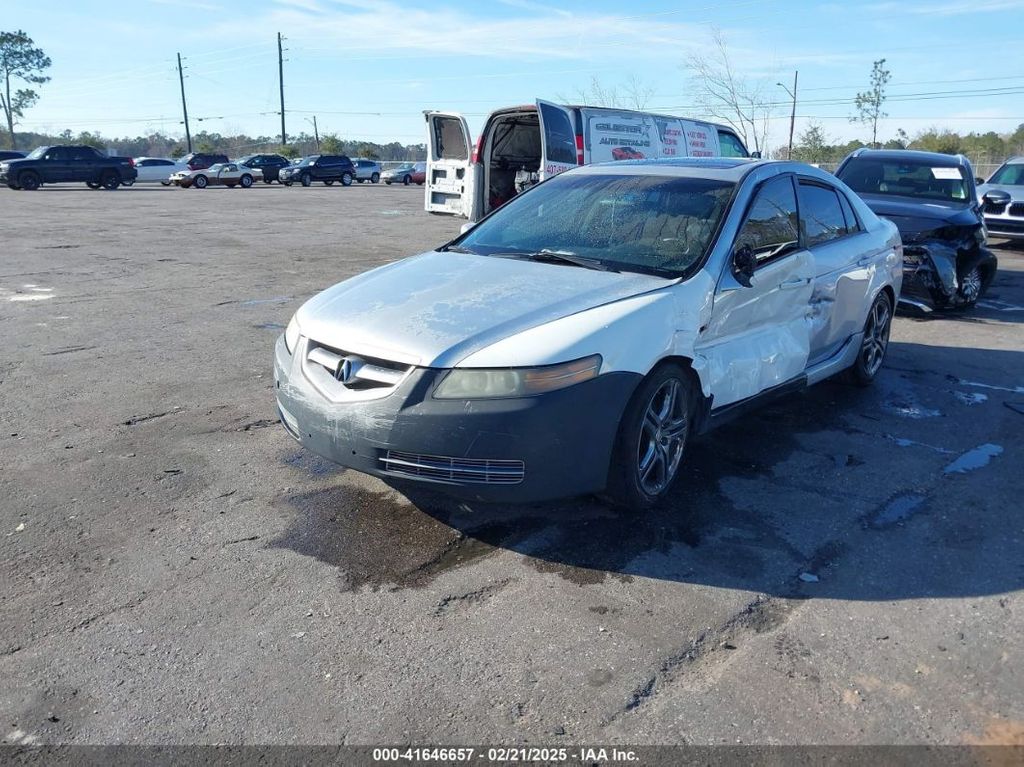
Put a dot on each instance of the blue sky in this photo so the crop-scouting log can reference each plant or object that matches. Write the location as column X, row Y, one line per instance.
column 368, row 69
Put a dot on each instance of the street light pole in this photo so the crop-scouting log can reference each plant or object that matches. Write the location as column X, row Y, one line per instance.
column 792, row 116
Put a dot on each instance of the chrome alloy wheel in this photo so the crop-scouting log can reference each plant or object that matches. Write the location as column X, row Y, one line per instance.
column 876, row 337
column 662, row 437
column 970, row 286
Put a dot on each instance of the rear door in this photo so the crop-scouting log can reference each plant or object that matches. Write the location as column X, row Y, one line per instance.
column 557, row 139
column 701, row 139
column 448, row 187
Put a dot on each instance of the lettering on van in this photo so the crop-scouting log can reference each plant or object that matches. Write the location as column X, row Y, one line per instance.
column 620, row 141
column 619, row 128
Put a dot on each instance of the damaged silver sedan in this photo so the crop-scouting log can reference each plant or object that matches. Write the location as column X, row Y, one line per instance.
column 575, row 340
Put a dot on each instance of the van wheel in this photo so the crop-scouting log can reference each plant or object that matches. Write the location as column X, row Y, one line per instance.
column 876, row 341
column 652, row 439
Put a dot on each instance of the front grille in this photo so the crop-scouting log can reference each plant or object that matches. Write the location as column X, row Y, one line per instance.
column 1017, row 209
column 475, row 471
column 996, row 210
column 342, row 375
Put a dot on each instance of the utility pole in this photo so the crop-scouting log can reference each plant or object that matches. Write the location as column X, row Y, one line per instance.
column 316, row 133
column 280, row 74
column 792, row 116
column 184, row 107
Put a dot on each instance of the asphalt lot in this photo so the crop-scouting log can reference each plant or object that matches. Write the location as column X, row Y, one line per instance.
column 177, row 570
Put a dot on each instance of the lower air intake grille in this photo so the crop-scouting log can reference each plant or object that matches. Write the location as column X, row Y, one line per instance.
column 483, row 471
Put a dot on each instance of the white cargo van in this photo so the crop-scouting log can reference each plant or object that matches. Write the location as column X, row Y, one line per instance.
column 520, row 146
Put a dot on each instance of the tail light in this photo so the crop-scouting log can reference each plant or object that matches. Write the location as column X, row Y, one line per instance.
column 131, row 162
column 579, row 149
column 478, row 149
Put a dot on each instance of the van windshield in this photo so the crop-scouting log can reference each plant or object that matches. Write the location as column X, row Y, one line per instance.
column 650, row 224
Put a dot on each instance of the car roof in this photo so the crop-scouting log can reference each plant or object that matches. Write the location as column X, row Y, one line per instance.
column 723, row 168
column 936, row 159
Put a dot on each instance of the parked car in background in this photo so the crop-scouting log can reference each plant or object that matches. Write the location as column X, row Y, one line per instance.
column 583, row 333
column 157, row 169
column 10, row 154
column 229, row 174
column 367, row 170
column 269, row 164
column 327, row 168
column 933, row 200
column 62, row 164
column 1002, row 200
column 408, row 173
column 201, row 160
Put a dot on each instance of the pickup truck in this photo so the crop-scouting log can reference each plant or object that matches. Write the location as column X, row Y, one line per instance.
column 61, row 164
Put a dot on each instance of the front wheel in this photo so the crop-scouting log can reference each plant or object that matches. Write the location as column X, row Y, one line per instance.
column 29, row 181
column 875, row 341
column 973, row 285
column 200, row 182
column 346, row 179
column 246, row 181
column 110, row 180
column 652, row 439
column 374, row 178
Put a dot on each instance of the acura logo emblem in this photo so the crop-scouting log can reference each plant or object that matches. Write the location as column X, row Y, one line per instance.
column 344, row 371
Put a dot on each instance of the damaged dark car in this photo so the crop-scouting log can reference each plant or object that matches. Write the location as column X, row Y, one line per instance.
column 933, row 201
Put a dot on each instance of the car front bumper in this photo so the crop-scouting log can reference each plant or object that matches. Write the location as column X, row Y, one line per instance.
column 1005, row 226
column 524, row 449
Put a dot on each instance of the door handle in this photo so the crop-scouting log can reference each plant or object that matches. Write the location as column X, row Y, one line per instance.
column 794, row 283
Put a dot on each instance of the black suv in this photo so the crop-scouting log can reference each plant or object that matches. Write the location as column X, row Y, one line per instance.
column 933, row 201
column 202, row 160
column 319, row 167
column 270, row 164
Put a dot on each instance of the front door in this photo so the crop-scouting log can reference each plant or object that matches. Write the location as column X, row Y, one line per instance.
column 759, row 335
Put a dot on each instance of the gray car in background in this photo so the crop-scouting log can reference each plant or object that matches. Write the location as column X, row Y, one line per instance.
column 366, row 170
column 1002, row 200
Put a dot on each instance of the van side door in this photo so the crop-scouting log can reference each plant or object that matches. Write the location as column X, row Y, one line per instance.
column 758, row 336
column 557, row 139
column 448, row 182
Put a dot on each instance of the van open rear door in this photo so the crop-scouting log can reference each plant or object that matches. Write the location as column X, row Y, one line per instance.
column 557, row 139
column 448, row 188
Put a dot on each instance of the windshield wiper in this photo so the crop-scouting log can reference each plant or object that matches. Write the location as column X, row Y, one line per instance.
column 560, row 257
column 457, row 249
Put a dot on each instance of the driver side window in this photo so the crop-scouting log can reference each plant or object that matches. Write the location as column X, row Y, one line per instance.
column 770, row 229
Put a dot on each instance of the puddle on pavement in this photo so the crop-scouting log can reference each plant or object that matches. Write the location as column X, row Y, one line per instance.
column 974, row 459
column 896, row 510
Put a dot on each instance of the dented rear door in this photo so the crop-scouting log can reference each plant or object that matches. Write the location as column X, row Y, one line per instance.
column 448, row 182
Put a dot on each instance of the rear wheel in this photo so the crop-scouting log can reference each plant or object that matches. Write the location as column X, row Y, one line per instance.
column 652, row 438
column 200, row 182
column 29, row 181
column 875, row 342
column 110, row 180
column 374, row 178
column 346, row 179
column 246, row 181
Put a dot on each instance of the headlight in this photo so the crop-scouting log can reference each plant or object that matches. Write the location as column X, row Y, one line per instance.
column 291, row 335
column 469, row 383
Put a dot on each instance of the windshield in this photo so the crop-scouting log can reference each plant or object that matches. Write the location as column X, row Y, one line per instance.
column 649, row 224
column 246, row 160
column 36, row 153
column 901, row 178
column 1009, row 174
column 309, row 160
column 218, row 166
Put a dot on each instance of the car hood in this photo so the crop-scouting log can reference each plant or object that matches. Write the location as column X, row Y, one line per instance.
column 436, row 308
column 916, row 219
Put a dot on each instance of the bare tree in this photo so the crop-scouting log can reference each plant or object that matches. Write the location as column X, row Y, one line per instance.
column 869, row 103
column 634, row 93
column 728, row 96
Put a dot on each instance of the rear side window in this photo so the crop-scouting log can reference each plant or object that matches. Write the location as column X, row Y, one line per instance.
column 852, row 224
column 559, row 136
column 770, row 228
column 449, row 140
column 821, row 215
column 730, row 146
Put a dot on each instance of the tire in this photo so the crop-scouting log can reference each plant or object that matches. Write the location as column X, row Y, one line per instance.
column 652, row 439
column 109, row 180
column 346, row 179
column 287, row 183
column 93, row 184
column 268, row 181
column 29, row 180
column 245, row 181
column 306, row 180
column 973, row 285
column 329, row 183
column 12, row 185
column 407, row 180
column 129, row 182
column 876, row 341
column 165, row 183
column 200, row 182
column 388, row 183
column 375, row 178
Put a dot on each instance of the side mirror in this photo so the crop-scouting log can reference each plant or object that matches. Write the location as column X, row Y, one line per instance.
column 996, row 197
column 744, row 262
